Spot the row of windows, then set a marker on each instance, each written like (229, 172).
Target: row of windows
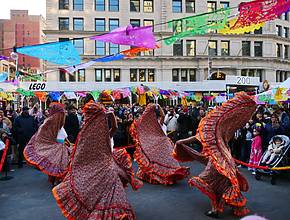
(136, 75)
(183, 75)
(281, 75)
(253, 73)
(101, 48)
(100, 24)
(113, 5)
(281, 33)
(282, 53)
(110, 75)
(177, 6)
(213, 48)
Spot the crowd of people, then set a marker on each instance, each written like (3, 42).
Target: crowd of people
(179, 122)
(57, 140)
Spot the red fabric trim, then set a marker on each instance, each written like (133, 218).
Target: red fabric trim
(7, 142)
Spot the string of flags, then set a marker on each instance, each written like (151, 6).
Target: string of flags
(251, 16)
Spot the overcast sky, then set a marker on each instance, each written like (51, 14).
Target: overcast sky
(35, 7)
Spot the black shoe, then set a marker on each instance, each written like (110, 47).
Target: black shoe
(213, 214)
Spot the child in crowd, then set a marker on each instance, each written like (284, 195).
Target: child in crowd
(256, 150)
(275, 148)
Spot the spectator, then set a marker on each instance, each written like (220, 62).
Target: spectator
(171, 122)
(24, 128)
(72, 125)
(284, 120)
(272, 129)
(184, 124)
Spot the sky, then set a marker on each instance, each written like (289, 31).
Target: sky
(34, 7)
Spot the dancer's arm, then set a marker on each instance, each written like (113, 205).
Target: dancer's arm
(187, 140)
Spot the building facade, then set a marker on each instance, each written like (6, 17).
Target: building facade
(263, 53)
(22, 30)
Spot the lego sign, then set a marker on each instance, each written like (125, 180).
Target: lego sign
(37, 86)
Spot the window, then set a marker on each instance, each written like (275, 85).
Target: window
(63, 4)
(279, 30)
(148, 6)
(100, 48)
(281, 75)
(135, 5)
(81, 75)
(78, 24)
(142, 75)
(253, 73)
(184, 76)
(99, 75)
(212, 48)
(211, 6)
(62, 75)
(63, 39)
(177, 6)
(133, 75)
(225, 5)
(148, 22)
(100, 5)
(259, 31)
(117, 75)
(258, 48)
(78, 5)
(246, 48)
(71, 77)
(108, 75)
(151, 75)
(113, 24)
(178, 48)
(100, 24)
(135, 22)
(190, 47)
(286, 51)
(279, 50)
(114, 48)
(175, 75)
(79, 45)
(286, 32)
(287, 16)
(225, 48)
(192, 75)
(190, 6)
(113, 5)
(63, 24)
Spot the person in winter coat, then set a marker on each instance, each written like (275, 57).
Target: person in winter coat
(72, 125)
(25, 127)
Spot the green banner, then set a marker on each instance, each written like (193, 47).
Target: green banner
(197, 25)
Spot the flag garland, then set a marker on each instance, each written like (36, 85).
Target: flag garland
(199, 24)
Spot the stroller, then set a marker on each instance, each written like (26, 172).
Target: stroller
(279, 160)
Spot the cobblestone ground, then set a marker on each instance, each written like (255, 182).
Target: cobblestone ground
(28, 196)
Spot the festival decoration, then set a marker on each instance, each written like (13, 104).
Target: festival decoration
(95, 94)
(55, 96)
(132, 36)
(70, 95)
(131, 53)
(281, 95)
(24, 92)
(198, 24)
(110, 58)
(258, 11)
(81, 94)
(41, 96)
(62, 53)
(126, 92)
(3, 58)
(3, 76)
(228, 29)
